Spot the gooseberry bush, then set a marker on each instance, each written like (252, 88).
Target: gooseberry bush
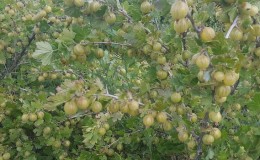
(129, 79)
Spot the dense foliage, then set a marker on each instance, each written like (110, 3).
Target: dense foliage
(129, 79)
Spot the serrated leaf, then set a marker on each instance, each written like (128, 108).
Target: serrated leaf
(210, 154)
(67, 35)
(73, 11)
(254, 105)
(43, 52)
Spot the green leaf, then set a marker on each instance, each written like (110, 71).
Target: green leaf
(44, 26)
(67, 35)
(210, 154)
(80, 32)
(2, 58)
(220, 45)
(73, 11)
(43, 52)
(232, 14)
(254, 105)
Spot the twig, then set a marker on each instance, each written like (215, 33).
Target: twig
(123, 12)
(204, 124)
(193, 24)
(231, 27)
(235, 87)
(17, 58)
(113, 96)
(106, 43)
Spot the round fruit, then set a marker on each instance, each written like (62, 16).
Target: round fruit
(133, 105)
(167, 126)
(183, 136)
(223, 91)
(216, 133)
(236, 106)
(257, 52)
(207, 34)
(79, 3)
(46, 130)
(32, 117)
(201, 76)
(179, 10)
(69, 2)
(236, 34)
(161, 74)
(113, 107)
(54, 76)
(110, 152)
(25, 117)
(148, 120)
(256, 30)
(253, 10)
(100, 53)
(102, 131)
(157, 46)
(181, 25)
(66, 143)
(110, 18)
(207, 139)
(119, 147)
(191, 144)
(95, 6)
(219, 76)
(193, 118)
(96, 107)
(79, 50)
(47, 9)
(82, 103)
(42, 13)
(41, 78)
(215, 116)
(146, 7)
(176, 97)
(6, 156)
(124, 108)
(230, 78)
(106, 126)
(161, 117)
(220, 99)
(20, 4)
(40, 114)
(245, 8)
(153, 94)
(70, 108)
(57, 143)
(202, 61)
(161, 60)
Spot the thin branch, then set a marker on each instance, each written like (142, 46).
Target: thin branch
(204, 124)
(231, 27)
(17, 58)
(193, 24)
(235, 87)
(106, 43)
(113, 96)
